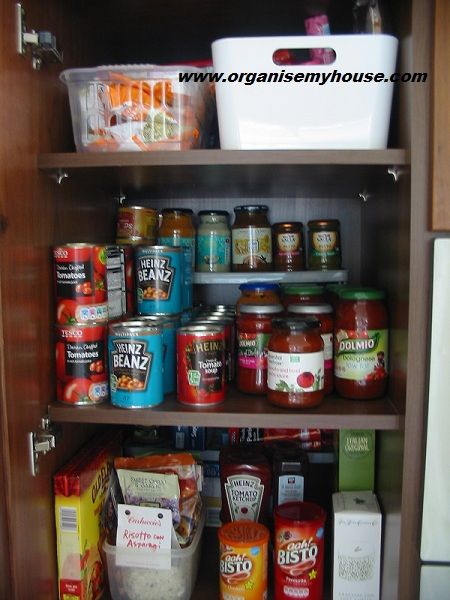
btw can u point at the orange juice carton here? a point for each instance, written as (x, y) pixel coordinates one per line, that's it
(80, 488)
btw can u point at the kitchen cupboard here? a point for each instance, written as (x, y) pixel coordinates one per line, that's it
(49, 194)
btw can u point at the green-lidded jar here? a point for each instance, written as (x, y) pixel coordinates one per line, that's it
(361, 344)
(297, 293)
(324, 245)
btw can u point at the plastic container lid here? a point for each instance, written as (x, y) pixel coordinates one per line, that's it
(261, 308)
(293, 288)
(243, 533)
(310, 309)
(362, 294)
(259, 285)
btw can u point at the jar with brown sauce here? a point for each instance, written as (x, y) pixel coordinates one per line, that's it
(251, 239)
(288, 247)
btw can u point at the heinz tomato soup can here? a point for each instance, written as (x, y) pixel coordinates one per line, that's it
(80, 283)
(81, 371)
(299, 551)
(243, 560)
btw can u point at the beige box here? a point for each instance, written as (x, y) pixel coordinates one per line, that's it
(357, 546)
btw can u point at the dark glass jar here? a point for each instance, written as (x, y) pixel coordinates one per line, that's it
(254, 328)
(324, 245)
(361, 339)
(295, 363)
(288, 246)
(251, 237)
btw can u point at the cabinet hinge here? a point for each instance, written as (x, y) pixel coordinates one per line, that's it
(41, 441)
(42, 43)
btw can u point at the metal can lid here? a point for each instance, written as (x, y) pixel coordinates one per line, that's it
(251, 208)
(149, 249)
(255, 309)
(133, 328)
(309, 309)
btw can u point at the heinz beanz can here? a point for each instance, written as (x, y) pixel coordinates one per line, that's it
(201, 365)
(81, 372)
(159, 276)
(135, 352)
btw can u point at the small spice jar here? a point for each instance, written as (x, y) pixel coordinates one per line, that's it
(254, 328)
(324, 245)
(295, 363)
(324, 313)
(258, 293)
(213, 242)
(361, 341)
(251, 237)
(293, 293)
(288, 247)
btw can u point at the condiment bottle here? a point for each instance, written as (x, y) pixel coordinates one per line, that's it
(324, 245)
(254, 327)
(288, 247)
(290, 467)
(361, 344)
(251, 236)
(324, 313)
(213, 243)
(295, 363)
(258, 292)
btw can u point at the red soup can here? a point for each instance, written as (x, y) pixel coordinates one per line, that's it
(299, 551)
(80, 283)
(201, 365)
(81, 358)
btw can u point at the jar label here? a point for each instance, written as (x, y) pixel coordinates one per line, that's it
(252, 246)
(327, 349)
(213, 250)
(290, 488)
(292, 372)
(244, 497)
(252, 350)
(324, 243)
(361, 355)
(288, 243)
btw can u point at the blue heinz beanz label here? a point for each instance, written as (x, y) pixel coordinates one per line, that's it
(159, 277)
(135, 365)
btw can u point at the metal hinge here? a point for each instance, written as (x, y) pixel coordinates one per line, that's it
(41, 441)
(43, 43)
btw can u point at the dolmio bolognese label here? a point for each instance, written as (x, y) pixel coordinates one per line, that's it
(243, 560)
(299, 551)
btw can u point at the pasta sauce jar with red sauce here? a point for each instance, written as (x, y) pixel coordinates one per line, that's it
(295, 363)
(254, 328)
(361, 344)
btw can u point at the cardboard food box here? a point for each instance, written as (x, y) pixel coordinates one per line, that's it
(357, 546)
(80, 488)
(356, 459)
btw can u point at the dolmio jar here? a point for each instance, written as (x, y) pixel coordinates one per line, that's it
(361, 344)
(299, 551)
(295, 363)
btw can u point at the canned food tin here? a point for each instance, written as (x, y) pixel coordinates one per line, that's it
(299, 551)
(81, 372)
(135, 352)
(80, 283)
(201, 365)
(158, 271)
(136, 223)
(243, 560)
(229, 330)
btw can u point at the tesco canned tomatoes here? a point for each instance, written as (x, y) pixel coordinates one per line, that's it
(80, 283)
(81, 372)
(299, 551)
(201, 365)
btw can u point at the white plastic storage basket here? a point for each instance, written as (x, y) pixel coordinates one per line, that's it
(309, 114)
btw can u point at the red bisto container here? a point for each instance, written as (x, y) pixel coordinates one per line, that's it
(299, 551)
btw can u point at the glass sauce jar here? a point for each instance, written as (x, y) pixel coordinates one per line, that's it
(251, 237)
(254, 328)
(213, 243)
(361, 344)
(293, 293)
(324, 245)
(295, 363)
(258, 293)
(288, 252)
(324, 313)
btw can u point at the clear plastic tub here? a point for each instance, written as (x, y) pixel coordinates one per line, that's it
(137, 108)
(140, 583)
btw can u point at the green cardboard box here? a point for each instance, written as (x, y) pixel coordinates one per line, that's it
(356, 460)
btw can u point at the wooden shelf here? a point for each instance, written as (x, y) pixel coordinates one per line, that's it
(231, 173)
(240, 410)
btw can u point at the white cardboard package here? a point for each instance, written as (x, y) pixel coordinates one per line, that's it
(357, 546)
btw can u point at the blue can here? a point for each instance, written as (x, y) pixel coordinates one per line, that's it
(169, 325)
(135, 356)
(159, 278)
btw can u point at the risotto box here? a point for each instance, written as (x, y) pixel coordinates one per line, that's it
(357, 546)
(80, 488)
